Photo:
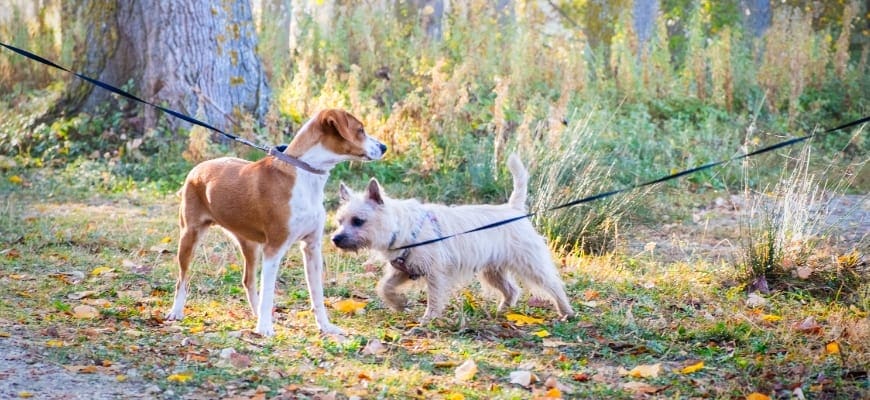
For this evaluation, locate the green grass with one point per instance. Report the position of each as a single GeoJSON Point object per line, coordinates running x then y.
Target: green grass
{"type": "Point", "coordinates": [632, 311]}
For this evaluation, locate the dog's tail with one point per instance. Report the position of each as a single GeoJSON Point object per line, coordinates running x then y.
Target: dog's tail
{"type": "Point", "coordinates": [521, 182]}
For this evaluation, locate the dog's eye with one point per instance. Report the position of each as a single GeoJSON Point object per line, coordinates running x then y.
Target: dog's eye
{"type": "Point", "coordinates": [357, 222]}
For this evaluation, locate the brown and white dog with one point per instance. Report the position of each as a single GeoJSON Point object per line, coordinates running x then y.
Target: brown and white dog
{"type": "Point", "coordinates": [267, 205]}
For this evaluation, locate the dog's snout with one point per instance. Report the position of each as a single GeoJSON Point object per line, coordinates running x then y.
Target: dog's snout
{"type": "Point", "coordinates": [338, 239]}
{"type": "Point", "coordinates": [383, 148]}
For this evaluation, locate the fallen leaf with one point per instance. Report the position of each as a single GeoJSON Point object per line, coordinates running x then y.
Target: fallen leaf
{"type": "Point", "coordinates": [85, 312]}
{"type": "Point", "coordinates": [240, 360]}
{"type": "Point", "coordinates": [445, 364]}
{"type": "Point", "coordinates": [804, 272]}
{"type": "Point", "coordinates": [770, 318]}
{"type": "Point", "coordinates": [132, 294]}
{"type": "Point", "coordinates": [641, 387]}
{"type": "Point", "coordinates": [754, 300]}
{"type": "Point", "coordinates": [25, 394]}
{"type": "Point", "coordinates": [466, 371]}
{"type": "Point", "coordinates": [101, 271]}
{"type": "Point", "coordinates": [757, 396]}
{"type": "Point", "coordinates": [692, 368]}
{"type": "Point", "coordinates": [832, 348]}
{"type": "Point", "coordinates": [97, 302]}
{"type": "Point", "coordinates": [581, 377]}
{"type": "Point", "coordinates": [81, 295]}
{"type": "Point", "coordinates": [181, 377]}
{"type": "Point", "coordinates": [120, 378]}
{"type": "Point", "coordinates": [349, 306]}
{"type": "Point", "coordinates": [646, 371]}
{"type": "Point", "coordinates": [54, 343]}
{"type": "Point", "coordinates": [541, 333]}
{"type": "Point", "coordinates": [166, 239]}
{"type": "Point", "coordinates": [81, 369]}
{"type": "Point", "coordinates": [809, 326]}
{"type": "Point", "coordinates": [15, 179]}
{"type": "Point", "coordinates": [523, 378]}
{"type": "Point", "coordinates": [11, 253]}
{"type": "Point", "coordinates": [590, 294]}
{"type": "Point", "coordinates": [454, 396]}
{"type": "Point", "coordinates": [520, 319]}
{"type": "Point", "coordinates": [374, 347]}
{"type": "Point", "coordinates": [554, 343]}
{"type": "Point", "coordinates": [5, 334]}
{"type": "Point", "coordinates": [553, 393]}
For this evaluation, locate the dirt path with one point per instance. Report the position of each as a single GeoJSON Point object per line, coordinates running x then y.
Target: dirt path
{"type": "Point", "coordinates": [26, 373]}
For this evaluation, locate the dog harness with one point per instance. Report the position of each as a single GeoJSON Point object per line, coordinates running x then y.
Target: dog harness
{"type": "Point", "coordinates": [401, 262]}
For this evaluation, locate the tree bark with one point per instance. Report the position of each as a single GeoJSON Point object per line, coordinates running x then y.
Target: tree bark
{"type": "Point", "coordinates": [757, 16]}
{"type": "Point", "coordinates": [644, 16]}
{"type": "Point", "coordinates": [197, 58]}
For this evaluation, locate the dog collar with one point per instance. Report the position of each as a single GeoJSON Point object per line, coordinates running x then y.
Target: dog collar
{"type": "Point", "coordinates": [401, 262]}
{"type": "Point", "coordinates": [277, 153]}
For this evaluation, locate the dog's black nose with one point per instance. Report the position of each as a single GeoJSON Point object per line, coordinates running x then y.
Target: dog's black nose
{"type": "Point", "coordinates": [337, 239]}
{"type": "Point", "coordinates": [383, 148]}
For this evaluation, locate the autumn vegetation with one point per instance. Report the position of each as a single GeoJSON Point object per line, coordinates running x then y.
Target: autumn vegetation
{"type": "Point", "coordinates": [747, 280]}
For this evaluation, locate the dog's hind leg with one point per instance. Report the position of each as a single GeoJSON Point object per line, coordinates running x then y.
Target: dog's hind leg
{"type": "Point", "coordinates": [389, 288]}
{"type": "Point", "coordinates": [538, 271]}
{"type": "Point", "coordinates": [190, 236]}
{"type": "Point", "coordinates": [251, 252]}
{"type": "Point", "coordinates": [501, 281]}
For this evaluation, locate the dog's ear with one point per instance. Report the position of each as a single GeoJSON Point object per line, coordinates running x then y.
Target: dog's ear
{"type": "Point", "coordinates": [374, 192]}
{"type": "Point", "coordinates": [341, 122]}
{"type": "Point", "coordinates": [344, 193]}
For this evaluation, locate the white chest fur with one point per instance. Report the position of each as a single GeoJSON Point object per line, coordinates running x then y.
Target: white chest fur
{"type": "Point", "coordinates": [307, 215]}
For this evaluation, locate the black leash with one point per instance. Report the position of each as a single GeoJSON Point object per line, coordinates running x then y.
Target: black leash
{"type": "Point", "coordinates": [276, 152]}
{"type": "Point", "coordinates": [652, 182]}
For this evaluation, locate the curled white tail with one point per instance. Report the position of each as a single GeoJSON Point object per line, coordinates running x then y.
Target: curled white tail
{"type": "Point", "coordinates": [521, 182]}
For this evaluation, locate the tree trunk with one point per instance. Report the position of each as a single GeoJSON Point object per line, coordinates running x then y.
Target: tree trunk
{"type": "Point", "coordinates": [644, 16]}
{"type": "Point", "coordinates": [757, 16]}
{"type": "Point", "coordinates": [192, 57]}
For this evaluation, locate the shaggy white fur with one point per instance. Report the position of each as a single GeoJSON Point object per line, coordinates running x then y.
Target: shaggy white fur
{"type": "Point", "coordinates": [496, 256]}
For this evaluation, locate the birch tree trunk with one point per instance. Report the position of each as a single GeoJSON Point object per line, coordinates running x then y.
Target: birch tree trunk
{"type": "Point", "coordinates": [194, 57]}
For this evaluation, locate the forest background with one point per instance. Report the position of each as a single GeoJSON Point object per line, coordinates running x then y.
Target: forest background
{"type": "Point", "coordinates": [756, 270]}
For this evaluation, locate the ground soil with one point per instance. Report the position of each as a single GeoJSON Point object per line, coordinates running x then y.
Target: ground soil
{"type": "Point", "coordinates": [711, 233]}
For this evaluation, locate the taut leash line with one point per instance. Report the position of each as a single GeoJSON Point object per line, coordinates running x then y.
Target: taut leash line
{"type": "Point", "coordinates": [676, 175]}
{"type": "Point", "coordinates": [272, 151]}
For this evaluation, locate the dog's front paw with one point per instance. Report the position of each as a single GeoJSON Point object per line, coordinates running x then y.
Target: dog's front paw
{"type": "Point", "coordinates": [330, 329]}
{"type": "Point", "coordinates": [175, 315]}
{"type": "Point", "coordinates": [265, 330]}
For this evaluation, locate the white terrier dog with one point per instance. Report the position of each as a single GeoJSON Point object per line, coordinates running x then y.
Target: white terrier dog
{"type": "Point", "coordinates": [515, 250]}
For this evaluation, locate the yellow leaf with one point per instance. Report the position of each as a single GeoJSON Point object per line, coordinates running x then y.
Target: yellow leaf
{"type": "Point", "coordinates": [542, 333]}
{"type": "Point", "coordinates": [54, 343]}
{"type": "Point", "coordinates": [757, 396]}
{"type": "Point", "coordinates": [120, 378]}
{"type": "Point", "coordinates": [832, 348]}
{"type": "Point", "coordinates": [454, 396]}
{"type": "Point", "coordinates": [646, 371]}
{"type": "Point", "coordinates": [771, 317]}
{"type": "Point", "coordinates": [5, 334]}
{"type": "Point", "coordinates": [466, 371]}
{"type": "Point", "coordinates": [25, 394]}
{"type": "Point", "coordinates": [520, 319]}
{"type": "Point", "coordinates": [235, 267]}
{"type": "Point", "coordinates": [166, 239]}
{"type": "Point", "coordinates": [693, 368]}
{"type": "Point", "coordinates": [349, 306]}
{"type": "Point", "coordinates": [181, 377]}
{"type": "Point", "coordinates": [16, 180]}
{"type": "Point", "coordinates": [85, 312]}
{"type": "Point", "coordinates": [553, 393]}
{"type": "Point", "coordinates": [101, 270]}
{"type": "Point", "coordinates": [196, 329]}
